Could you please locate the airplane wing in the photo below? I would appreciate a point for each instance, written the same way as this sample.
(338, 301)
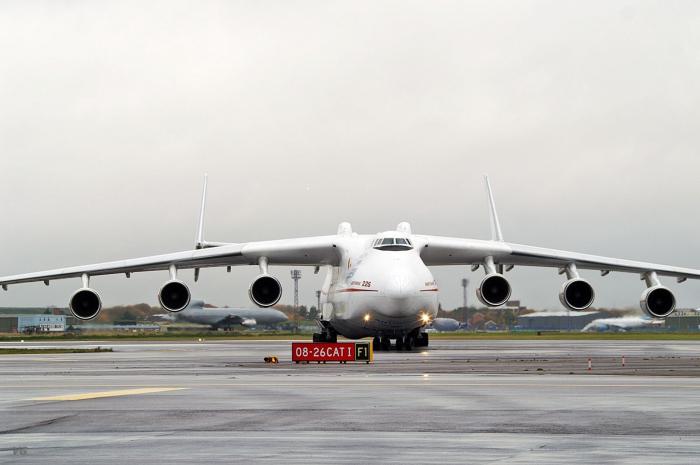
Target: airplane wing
(437, 250)
(320, 250)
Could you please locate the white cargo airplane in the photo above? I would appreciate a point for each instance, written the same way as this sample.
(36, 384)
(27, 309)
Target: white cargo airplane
(445, 324)
(376, 285)
(623, 323)
(225, 317)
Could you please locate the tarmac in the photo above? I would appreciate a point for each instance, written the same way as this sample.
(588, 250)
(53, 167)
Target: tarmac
(467, 401)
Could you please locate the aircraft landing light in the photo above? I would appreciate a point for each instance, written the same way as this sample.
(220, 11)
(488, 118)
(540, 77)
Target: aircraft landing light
(102, 394)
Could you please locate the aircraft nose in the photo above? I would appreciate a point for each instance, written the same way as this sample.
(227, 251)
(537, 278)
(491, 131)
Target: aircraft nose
(399, 285)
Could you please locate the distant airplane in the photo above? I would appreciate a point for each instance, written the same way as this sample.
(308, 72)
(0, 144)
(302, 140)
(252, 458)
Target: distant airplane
(445, 324)
(621, 324)
(377, 285)
(226, 318)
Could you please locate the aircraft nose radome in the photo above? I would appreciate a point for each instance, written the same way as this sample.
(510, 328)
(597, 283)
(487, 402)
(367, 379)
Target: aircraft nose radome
(400, 285)
(395, 287)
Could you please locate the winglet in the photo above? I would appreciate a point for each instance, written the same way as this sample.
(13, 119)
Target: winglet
(199, 241)
(496, 234)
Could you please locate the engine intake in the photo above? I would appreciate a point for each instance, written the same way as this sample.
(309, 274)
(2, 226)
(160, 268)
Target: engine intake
(577, 294)
(85, 304)
(265, 291)
(658, 302)
(174, 296)
(494, 290)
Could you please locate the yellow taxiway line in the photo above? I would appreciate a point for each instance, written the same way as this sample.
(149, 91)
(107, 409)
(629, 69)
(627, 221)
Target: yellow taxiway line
(102, 394)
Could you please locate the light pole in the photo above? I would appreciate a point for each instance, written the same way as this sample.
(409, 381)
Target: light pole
(296, 276)
(465, 283)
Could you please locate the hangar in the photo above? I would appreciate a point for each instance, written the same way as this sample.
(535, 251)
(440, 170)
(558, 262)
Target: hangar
(32, 323)
(33, 319)
(556, 320)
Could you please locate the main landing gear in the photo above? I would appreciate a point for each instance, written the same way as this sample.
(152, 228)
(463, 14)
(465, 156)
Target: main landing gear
(327, 334)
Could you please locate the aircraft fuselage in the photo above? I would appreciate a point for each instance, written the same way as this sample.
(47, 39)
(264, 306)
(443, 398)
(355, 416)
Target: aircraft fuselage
(379, 291)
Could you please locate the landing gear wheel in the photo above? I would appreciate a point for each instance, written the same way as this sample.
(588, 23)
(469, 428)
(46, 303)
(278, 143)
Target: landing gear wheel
(327, 334)
(324, 337)
(408, 342)
(385, 343)
(422, 340)
(376, 344)
(399, 343)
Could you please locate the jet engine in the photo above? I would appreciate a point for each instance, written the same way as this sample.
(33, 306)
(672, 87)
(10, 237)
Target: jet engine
(85, 304)
(174, 296)
(658, 302)
(494, 290)
(265, 291)
(576, 294)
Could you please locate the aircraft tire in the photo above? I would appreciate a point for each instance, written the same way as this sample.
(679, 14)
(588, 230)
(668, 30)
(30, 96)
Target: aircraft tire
(385, 343)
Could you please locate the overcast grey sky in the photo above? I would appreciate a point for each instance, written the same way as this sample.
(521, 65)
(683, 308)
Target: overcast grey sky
(586, 115)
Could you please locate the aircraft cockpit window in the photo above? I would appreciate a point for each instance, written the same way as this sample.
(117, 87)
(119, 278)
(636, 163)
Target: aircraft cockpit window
(392, 243)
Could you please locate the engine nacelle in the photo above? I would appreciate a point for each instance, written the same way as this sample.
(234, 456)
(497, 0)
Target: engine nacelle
(494, 290)
(174, 296)
(577, 294)
(658, 302)
(85, 304)
(265, 291)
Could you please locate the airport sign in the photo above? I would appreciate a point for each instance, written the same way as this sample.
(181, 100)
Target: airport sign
(332, 352)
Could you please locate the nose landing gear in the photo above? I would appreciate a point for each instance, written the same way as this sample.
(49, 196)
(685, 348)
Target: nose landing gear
(405, 342)
(381, 343)
(408, 342)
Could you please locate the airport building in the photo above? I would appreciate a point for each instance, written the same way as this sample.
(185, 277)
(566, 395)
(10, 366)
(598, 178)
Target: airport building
(556, 320)
(684, 320)
(34, 319)
(39, 323)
